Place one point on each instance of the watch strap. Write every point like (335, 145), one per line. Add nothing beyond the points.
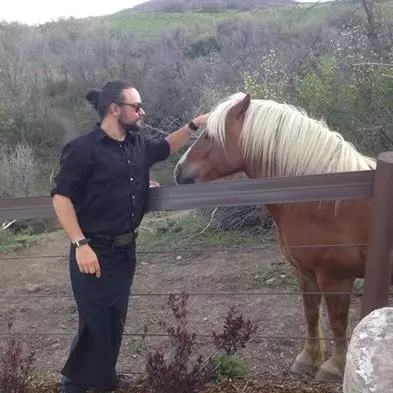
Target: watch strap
(192, 125)
(81, 242)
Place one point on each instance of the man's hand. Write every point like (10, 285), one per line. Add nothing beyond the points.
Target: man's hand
(87, 260)
(201, 120)
(154, 184)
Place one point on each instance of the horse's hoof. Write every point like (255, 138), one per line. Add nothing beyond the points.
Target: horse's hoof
(302, 367)
(305, 364)
(332, 375)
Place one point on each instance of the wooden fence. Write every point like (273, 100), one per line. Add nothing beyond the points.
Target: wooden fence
(377, 185)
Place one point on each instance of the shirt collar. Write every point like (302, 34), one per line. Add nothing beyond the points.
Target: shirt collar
(100, 134)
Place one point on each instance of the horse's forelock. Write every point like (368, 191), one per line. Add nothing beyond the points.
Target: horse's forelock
(216, 122)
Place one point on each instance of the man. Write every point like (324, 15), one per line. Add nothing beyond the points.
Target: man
(99, 197)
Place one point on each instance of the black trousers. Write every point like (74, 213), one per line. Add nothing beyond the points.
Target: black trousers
(102, 306)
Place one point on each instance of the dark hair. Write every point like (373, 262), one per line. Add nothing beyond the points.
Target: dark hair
(112, 92)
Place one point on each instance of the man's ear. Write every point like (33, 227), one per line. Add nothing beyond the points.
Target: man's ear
(114, 108)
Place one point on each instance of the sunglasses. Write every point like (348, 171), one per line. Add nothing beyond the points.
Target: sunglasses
(137, 107)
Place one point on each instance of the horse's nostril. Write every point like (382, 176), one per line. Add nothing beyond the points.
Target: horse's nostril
(183, 176)
(187, 180)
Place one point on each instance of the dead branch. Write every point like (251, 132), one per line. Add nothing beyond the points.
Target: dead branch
(5, 225)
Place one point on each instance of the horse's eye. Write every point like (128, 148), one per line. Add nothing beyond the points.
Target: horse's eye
(206, 137)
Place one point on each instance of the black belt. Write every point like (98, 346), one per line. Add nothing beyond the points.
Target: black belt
(114, 240)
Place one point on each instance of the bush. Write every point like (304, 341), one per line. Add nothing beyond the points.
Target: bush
(18, 170)
(352, 99)
(174, 372)
(249, 219)
(15, 366)
(226, 367)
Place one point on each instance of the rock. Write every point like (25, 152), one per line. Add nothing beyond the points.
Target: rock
(370, 354)
(271, 281)
(179, 258)
(32, 288)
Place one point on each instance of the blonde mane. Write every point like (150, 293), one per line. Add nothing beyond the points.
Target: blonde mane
(284, 141)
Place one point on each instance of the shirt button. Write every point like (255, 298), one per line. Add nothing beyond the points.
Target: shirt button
(120, 145)
(133, 197)
(132, 179)
(129, 161)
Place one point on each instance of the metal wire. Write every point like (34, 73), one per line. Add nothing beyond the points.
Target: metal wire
(196, 294)
(266, 377)
(62, 334)
(204, 250)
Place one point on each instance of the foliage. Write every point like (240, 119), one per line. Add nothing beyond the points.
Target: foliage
(18, 170)
(353, 100)
(236, 333)
(16, 367)
(251, 220)
(188, 232)
(226, 367)
(203, 46)
(271, 82)
(175, 374)
(176, 371)
(10, 241)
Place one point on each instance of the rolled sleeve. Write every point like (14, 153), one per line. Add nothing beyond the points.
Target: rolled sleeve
(157, 150)
(75, 167)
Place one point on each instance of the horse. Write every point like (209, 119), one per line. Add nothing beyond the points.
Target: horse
(264, 139)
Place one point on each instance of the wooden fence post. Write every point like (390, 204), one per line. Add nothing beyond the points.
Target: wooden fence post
(378, 271)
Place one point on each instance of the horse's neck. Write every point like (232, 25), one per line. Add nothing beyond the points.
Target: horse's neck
(254, 171)
(275, 212)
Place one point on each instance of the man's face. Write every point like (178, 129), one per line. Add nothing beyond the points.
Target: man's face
(131, 114)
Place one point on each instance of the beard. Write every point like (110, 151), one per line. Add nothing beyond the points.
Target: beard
(132, 127)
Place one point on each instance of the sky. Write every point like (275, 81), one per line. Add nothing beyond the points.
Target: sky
(34, 12)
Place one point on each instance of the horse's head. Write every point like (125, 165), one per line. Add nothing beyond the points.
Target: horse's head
(217, 152)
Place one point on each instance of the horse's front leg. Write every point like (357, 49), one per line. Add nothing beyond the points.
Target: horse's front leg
(311, 356)
(338, 309)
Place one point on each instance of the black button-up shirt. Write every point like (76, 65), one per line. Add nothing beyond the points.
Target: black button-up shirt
(108, 180)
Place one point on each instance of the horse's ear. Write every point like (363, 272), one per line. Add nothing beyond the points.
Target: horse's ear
(240, 108)
(246, 102)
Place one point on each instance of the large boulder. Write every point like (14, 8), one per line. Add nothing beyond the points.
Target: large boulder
(370, 354)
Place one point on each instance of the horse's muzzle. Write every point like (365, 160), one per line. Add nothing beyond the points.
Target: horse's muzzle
(183, 176)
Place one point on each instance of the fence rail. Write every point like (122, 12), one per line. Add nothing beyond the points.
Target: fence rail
(336, 186)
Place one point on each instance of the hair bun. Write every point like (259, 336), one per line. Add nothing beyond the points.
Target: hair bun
(93, 95)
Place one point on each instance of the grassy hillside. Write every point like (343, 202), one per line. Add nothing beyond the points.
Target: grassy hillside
(148, 23)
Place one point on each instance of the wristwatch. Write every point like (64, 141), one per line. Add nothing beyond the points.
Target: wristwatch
(79, 243)
(192, 125)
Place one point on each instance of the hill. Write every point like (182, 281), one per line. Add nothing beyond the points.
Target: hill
(208, 5)
(155, 17)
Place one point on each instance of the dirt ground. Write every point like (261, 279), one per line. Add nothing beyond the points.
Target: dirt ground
(36, 295)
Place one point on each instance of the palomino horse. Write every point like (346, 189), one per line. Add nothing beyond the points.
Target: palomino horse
(265, 139)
